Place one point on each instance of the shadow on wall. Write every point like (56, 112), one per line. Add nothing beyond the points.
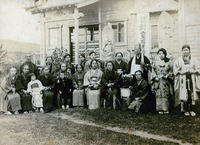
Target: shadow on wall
(16, 46)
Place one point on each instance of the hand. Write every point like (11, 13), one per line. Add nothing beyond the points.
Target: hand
(137, 99)
(60, 92)
(95, 86)
(90, 86)
(25, 92)
(109, 85)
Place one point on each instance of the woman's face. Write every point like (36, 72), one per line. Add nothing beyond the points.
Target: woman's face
(186, 52)
(93, 56)
(119, 57)
(94, 64)
(109, 66)
(138, 76)
(33, 77)
(67, 58)
(46, 70)
(63, 67)
(79, 68)
(25, 69)
(13, 72)
(81, 58)
(161, 55)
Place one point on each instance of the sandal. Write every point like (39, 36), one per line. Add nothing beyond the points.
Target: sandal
(16, 112)
(193, 113)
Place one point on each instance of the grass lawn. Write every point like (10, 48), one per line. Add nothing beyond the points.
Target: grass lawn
(173, 126)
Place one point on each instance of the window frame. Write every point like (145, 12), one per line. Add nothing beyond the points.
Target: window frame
(50, 47)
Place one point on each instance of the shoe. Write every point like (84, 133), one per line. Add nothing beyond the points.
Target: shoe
(187, 114)
(16, 112)
(63, 107)
(37, 110)
(166, 112)
(25, 112)
(30, 111)
(160, 112)
(67, 106)
(8, 113)
(193, 113)
(41, 110)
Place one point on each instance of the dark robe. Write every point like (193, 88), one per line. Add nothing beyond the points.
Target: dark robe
(107, 93)
(26, 99)
(145, 67)
(121, 66)
(32, 68)
(142, 91)
(49, 100)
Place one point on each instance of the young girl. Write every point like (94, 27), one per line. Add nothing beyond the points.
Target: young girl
(35, 87)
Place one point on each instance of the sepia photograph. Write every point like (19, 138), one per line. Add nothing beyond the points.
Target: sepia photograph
(95, 72)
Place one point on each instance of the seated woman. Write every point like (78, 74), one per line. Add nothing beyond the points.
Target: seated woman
(141, 96)
(92, 80)
(21, 88)
(48, 95)
(78, 94)
(10, 100)
(110, 86)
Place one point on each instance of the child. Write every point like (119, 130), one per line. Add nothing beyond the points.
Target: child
(35, 88)
(64, 89)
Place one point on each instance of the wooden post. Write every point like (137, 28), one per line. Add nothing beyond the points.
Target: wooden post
(100, 21)
(43, 40)
(181, 24)
(76, 23)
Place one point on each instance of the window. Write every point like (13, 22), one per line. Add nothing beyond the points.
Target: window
(53, 37)
(119, 32)
(92, 33)
(154, 36)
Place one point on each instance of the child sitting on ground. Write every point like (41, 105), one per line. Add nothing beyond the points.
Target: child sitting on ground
(35, 88)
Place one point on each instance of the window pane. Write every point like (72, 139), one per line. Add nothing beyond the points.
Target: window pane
(53, 37)
(154, 36)
(114, 26)
(121, 27)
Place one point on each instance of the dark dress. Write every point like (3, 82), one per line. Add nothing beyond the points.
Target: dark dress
(49, 100)
(26, 99)
(108, 93)
(32, 68)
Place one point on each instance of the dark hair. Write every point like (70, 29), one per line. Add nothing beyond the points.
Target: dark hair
(92, 62)
(91, 53)
(25, 65)
(138, 71)
(48, 57)
(119, 53)
(166, 59)
(31, 74)
(78, 65)
(109, 62)
(185, 46)
(67, 54)
(63, 63)
(82, 55)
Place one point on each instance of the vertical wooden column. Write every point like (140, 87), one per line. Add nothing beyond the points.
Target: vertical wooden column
(43, 40)
(181, 23)
(100, 32)
(76, 23)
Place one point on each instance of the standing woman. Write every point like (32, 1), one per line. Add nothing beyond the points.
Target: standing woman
(21, 88)
(119, 64)
(162, 82)
(92, 79)
(187, 81)
(9, 99)
(47, 81)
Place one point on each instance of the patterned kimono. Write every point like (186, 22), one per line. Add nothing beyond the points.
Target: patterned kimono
(93, 95)
(186, 83)
(35, 87)
(161, 85)
(9, 100)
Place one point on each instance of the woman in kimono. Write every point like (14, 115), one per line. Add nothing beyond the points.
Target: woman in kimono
(141, 98)
(78, 94)
(119, 64)
(21, 88)
(187, 81)
(162, 79)
(110, 86)
(92, 80)
(48, 95)
(10, 100)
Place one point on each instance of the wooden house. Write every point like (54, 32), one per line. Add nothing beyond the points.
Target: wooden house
(83, 25)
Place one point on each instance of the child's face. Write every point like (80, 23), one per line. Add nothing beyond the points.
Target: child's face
(69, 70)
(62, 75)
(13, 71)
(46, 70)
(79, 68)
(33, 77)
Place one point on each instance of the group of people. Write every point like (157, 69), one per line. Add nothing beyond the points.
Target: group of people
(93, 83)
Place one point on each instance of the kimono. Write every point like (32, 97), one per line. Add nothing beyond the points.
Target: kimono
(35, 88)
(186, 83)
(64, 89)
(120, 66)
(78, 94)
(134, 65)
(111, 94)
(9, 101)
(141, 98)
(49, 100)
(26, 99)
(93, 77)
(162, 86)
